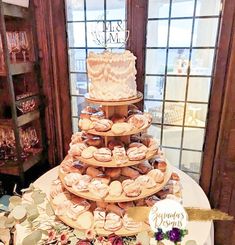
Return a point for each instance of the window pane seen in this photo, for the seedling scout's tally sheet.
(75, 10)
(193, 138)
(155, 131)
(173, 113)
(155, 108)
(202, 62)
(154, 86)
(78, 103)
(172, 136)
(187, 6)
(78, 84)
(155, 61)
(199, 89)
(157, 33)
(191, 161)
(95, 10)
(205, 32)
(76, 34)
(115, 9)
(173, 156)
(196, 114)
(208, 7)
(174, 84)
(75, 124)
(180, 33)
(196, 177)
(158, 8)
(177, 61)
(77, 60)
(95, 34)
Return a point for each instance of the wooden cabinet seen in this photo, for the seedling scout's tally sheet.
(21, 98)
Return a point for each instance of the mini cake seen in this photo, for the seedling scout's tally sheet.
(112, 75)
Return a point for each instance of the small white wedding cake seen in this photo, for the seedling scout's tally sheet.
(112, 75)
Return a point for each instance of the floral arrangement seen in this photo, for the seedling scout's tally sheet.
(32, 215)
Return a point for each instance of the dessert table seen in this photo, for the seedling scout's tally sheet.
(193, 196)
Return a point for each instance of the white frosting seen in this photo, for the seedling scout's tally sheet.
(112, 75)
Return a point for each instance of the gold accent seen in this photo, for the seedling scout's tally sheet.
(194, 214)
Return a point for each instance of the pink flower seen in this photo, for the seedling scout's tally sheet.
(64, 238)
(83, 242)
(115, 240)
(90, 234)
(51, 235)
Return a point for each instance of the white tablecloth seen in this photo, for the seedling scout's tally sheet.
(193, 196)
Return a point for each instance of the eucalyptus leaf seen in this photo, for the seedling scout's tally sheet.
(10, 222)
(32, 213)
(49, 210)
(5, 236)
(19, 212)
(33, 238)
(38, 197)
(15, 200)
(79, 234)
(2, 221)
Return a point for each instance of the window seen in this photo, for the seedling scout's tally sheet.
(84, 18)
(180, 53)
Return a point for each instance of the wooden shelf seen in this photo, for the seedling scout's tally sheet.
(122, 198)
(21, 120)
(12, 168)
(19, 68)
(14, 11)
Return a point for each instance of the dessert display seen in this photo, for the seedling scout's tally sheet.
(112, 164)
(112, 75)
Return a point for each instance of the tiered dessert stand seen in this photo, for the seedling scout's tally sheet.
(111, 108)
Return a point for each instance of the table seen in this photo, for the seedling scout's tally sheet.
(193, 196)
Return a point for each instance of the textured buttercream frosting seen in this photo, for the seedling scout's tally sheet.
(112, 75)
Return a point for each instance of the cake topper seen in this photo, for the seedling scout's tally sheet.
(110, 33)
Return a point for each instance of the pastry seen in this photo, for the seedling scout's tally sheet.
(82, 184)
(97, 188)
(85, 220)
(115, 188)
(103, 155)
(93, 140)
(66, 165)
(113, 173)
(77, 200)
(134, 112)
(146, 181)
(161, 165)
(140, 202)
(88, 152)
(173, 186)
(72, 178)
(139, 146)
(61, 198)
(114, 143)
(136, 154)
(85, 115)
(119, 155)
(113, 222)
(56, 188)
(175, 176)
(101, 204)
(137, 120)
(126, 205)
(131, 188)
(135, 138)
(97, 116)
(76, 149)
(103, 125)
(104, 179)
(99, 217)
(90, 109)
(93, 172)
(143, 167)
(130, 224)
(157, 175)
(121, 127)
(129, 172)
(75, 210)
(62, 207)
(116, 118)
(78, 167)
(148, 116)
(115, 209)
(85, 124)
(76, 138)
(150, 201)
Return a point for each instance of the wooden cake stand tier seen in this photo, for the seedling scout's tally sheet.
(127, 101)
(112, 164)
(103, 232)
(123, 198)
